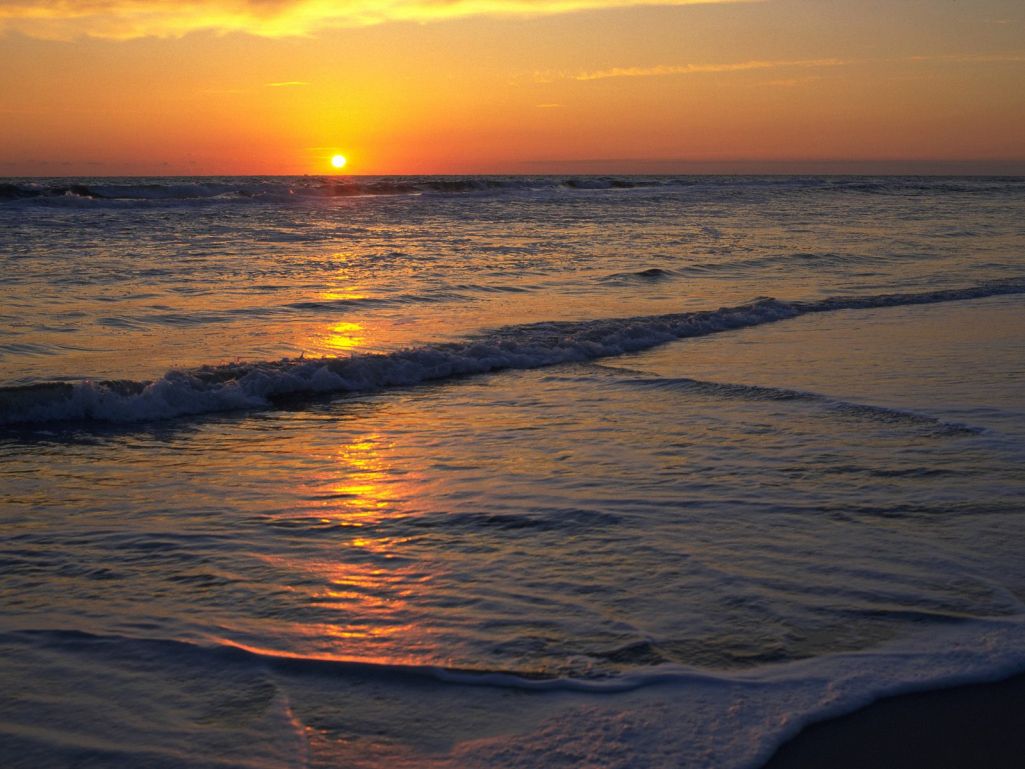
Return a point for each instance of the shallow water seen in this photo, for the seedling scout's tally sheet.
(574, 491)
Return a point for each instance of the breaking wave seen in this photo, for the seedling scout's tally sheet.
(257, 385)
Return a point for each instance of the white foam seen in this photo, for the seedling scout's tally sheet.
(255, 385)
(737, 722)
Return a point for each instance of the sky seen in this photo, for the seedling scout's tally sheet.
(190, 87)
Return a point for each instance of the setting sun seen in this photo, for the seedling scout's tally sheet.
(338, 161)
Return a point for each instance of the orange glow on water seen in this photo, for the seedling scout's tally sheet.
(345, 336)
(366, 489)
(366, 583)
(369, 659)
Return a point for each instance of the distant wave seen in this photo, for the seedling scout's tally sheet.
(321, 306)
(462, 292)
(277, 189)
(143, 190)
(257, 385)
(800, 259)
(651, 274)
(905, 185)
(108, 192)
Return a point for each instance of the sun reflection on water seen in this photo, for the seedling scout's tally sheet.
(364, 489)
(345, 336)
(357, 582)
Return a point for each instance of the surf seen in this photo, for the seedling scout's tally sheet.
(257, 385)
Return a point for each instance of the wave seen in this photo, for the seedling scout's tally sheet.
(905, 185)
(168, 316)
(861, 411)
(184, 190)
(780, 262)
(652, 274)
(222, 651)
(219, 652)
(153, 191)
(569, 520)
(276, 189)
(257, 385)
(679, 707)
(313, 305)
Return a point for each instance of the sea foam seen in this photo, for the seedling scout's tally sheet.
(256, 385)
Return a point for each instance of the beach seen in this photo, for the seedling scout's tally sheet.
(977, 725)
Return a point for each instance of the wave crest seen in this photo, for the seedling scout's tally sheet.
(256, 385)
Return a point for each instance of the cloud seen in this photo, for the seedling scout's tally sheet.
(793, 82)
(662, 70)
(124, 19)
(973, 58)
(287, 84)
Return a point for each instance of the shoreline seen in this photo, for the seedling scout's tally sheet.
(961, 727)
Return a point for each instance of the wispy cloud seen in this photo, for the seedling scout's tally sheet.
(287, 84)
(1012, 57)
(665, 70)
(123, 19)
(793, 82)
(662, 70)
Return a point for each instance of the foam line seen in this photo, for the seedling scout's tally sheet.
(256, 385)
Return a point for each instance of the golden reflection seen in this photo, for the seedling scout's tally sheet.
(345, 286)
(365, 489)
(345, 336)
(342, 294)
(362, 591)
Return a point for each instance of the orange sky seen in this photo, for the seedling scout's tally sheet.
(110, 87)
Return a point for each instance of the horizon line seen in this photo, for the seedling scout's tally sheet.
(580, 167)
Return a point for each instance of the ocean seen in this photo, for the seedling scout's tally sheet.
(500, 472)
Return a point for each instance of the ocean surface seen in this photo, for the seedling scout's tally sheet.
(500, 472)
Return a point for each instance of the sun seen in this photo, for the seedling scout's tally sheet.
(339, 161)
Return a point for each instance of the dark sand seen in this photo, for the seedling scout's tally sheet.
(981, 726)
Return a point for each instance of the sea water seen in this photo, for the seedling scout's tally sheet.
(500, 471)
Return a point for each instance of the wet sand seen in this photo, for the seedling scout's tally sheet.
(980, 726)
